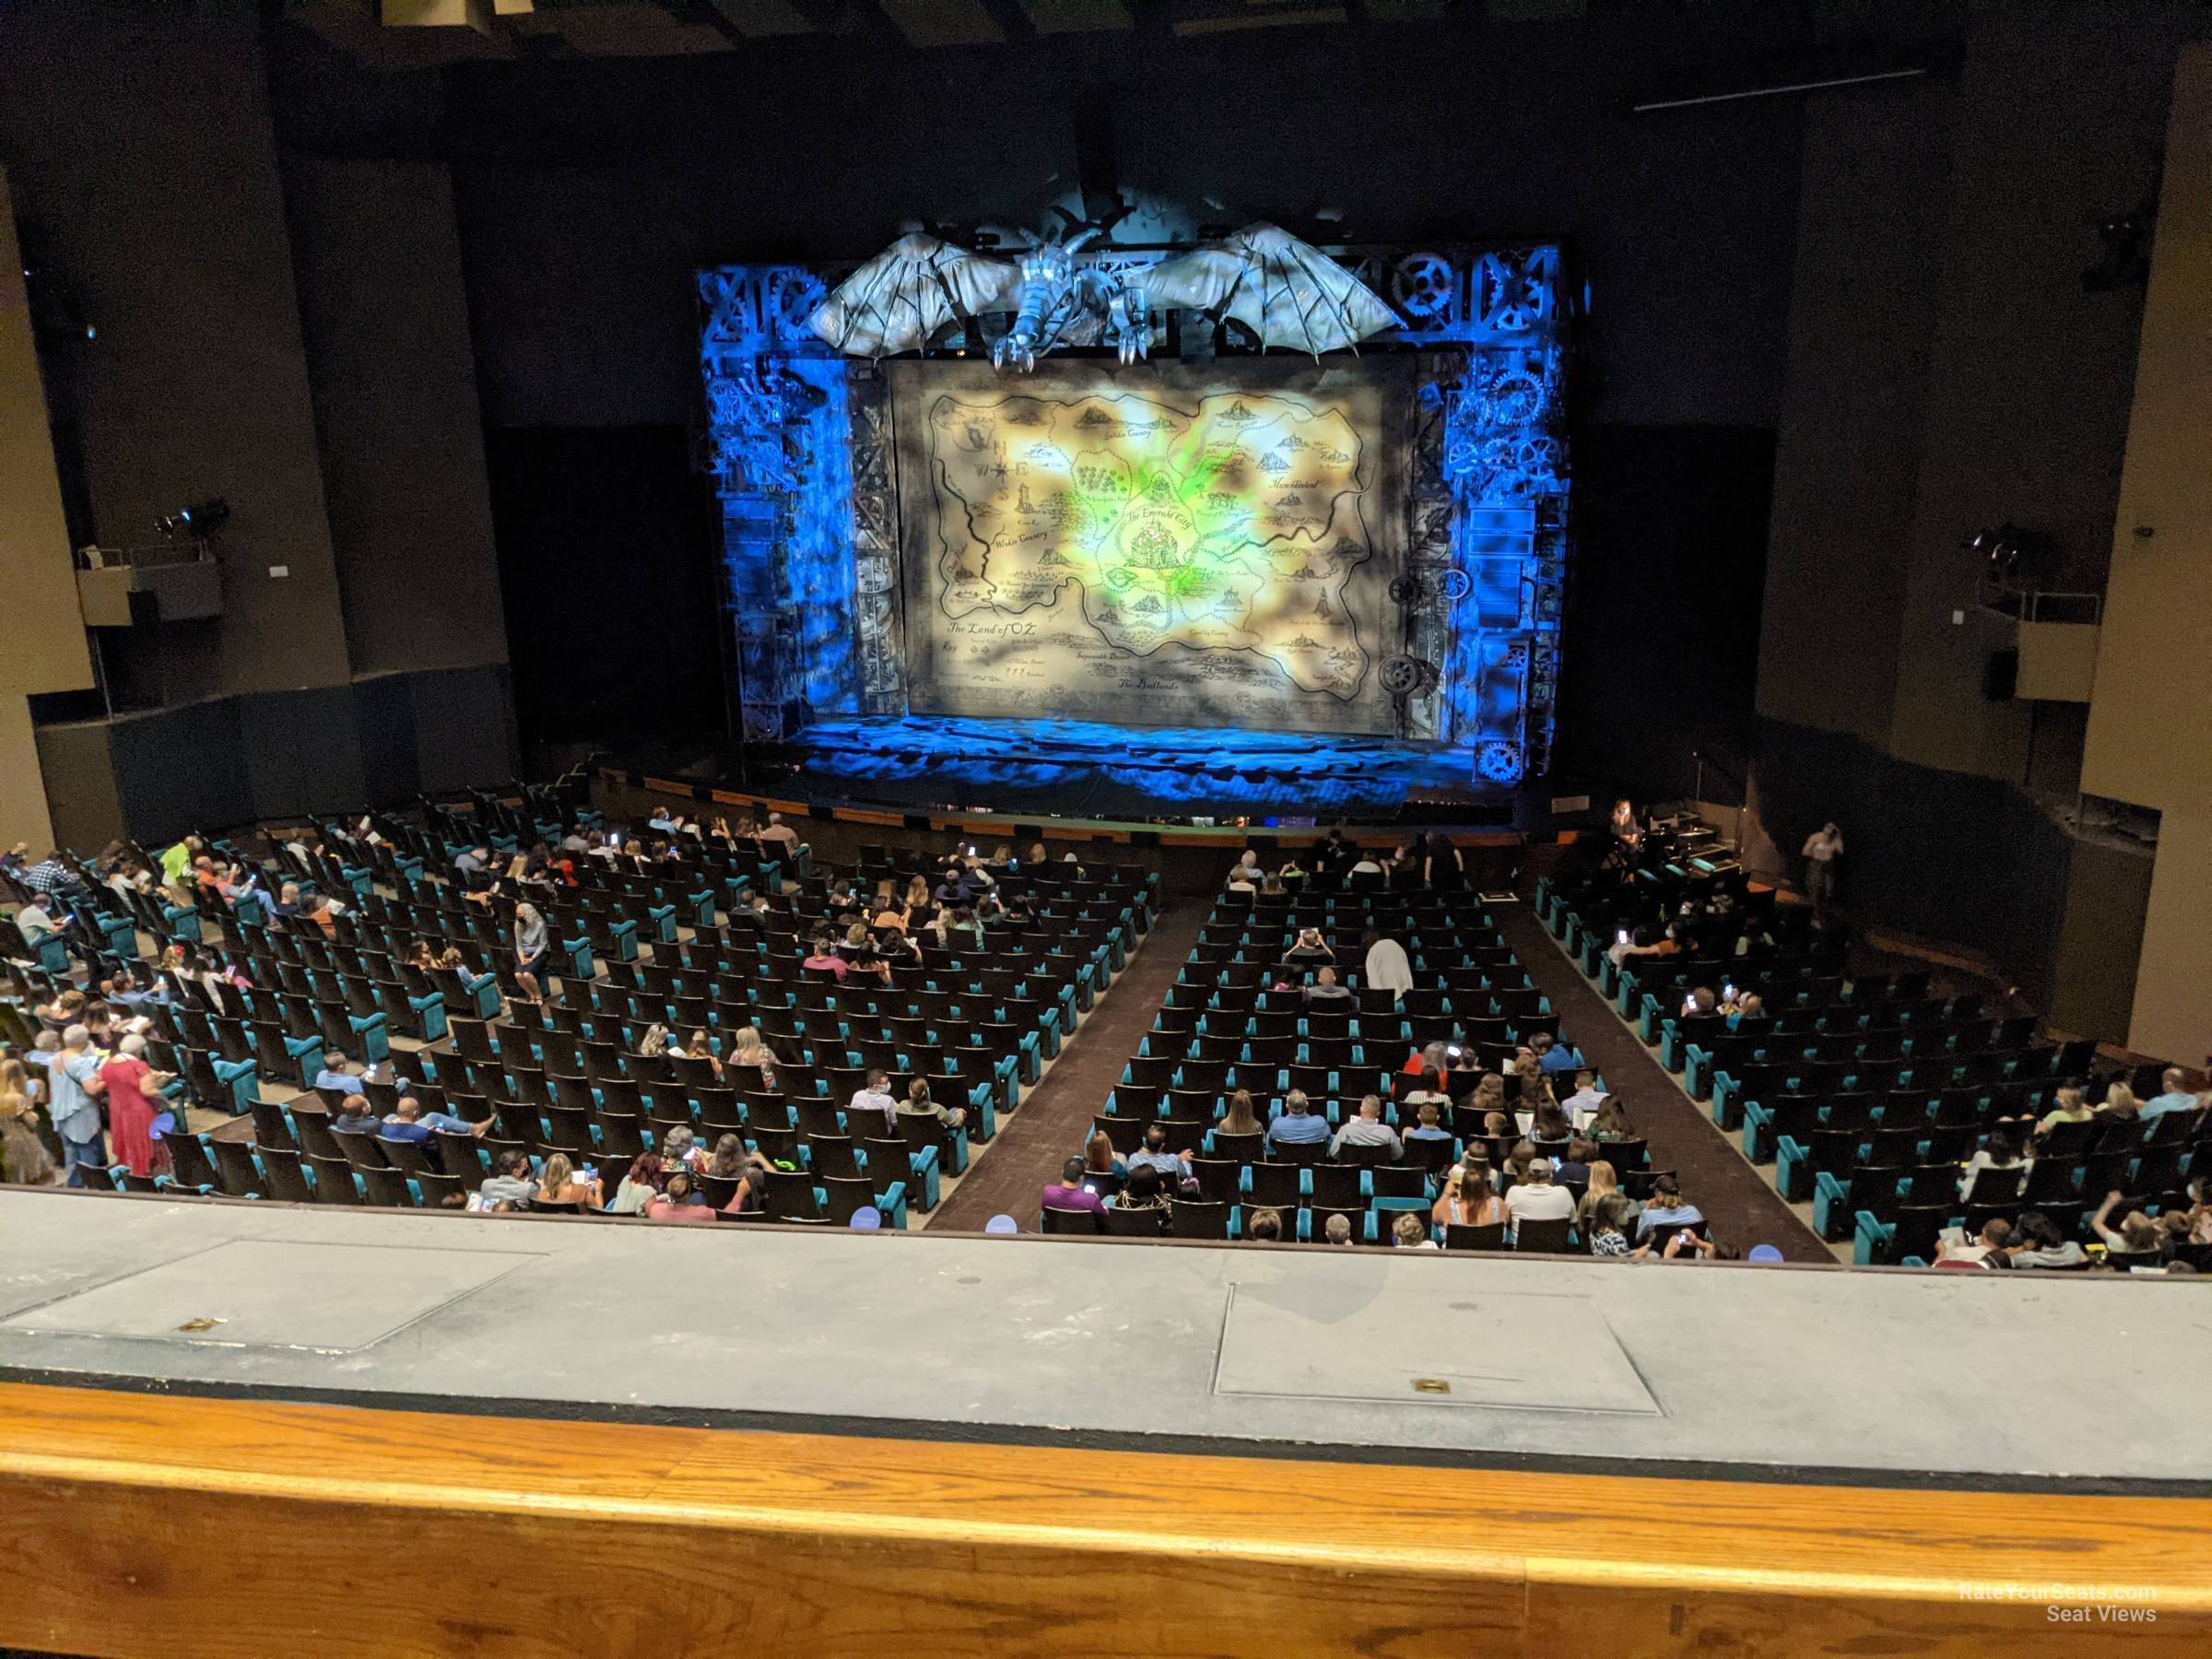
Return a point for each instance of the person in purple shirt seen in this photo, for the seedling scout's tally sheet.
(1069, 1195)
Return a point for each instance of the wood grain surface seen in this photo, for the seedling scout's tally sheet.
(135, 1523)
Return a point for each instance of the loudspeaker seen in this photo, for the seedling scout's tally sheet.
(2000, 676)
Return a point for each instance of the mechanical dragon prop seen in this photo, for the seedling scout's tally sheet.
(1287, 292)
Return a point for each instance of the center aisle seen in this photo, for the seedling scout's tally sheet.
(1009, 1178)
(1744, 1209)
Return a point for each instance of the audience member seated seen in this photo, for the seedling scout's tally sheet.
(1298, 1124)
(1537, 1199)
(733, 1160)
(1953, 1249)
(680, 1202)
(2175, 1098)
(1367, 1130)
(1603, 1226)
(1240, 1118)
(1408, 1233)
(1687, 1245)
(2037, 1243)
(1612, 1121)
(1326, 988)
(1337, 1230)
(639, 1185)
(1173, 1169)
(1100, 1159)
(2137, 1242)
(355, 1117)
(1487, 1095)
(1427, 1125)
(1553, 1058)
(1602, 1179)
(2069, 1108)
(1467, 1199)
(1550, 1121)
(514, 1184)
(2000, 1153)
(1583, 1104)
(874, 1096)
(1667, 1208)
(1265, 1227)
(563, 1182)
(1144, 1191)
(1071, 1196)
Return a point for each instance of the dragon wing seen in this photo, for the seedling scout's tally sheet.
(897, 300)
(1286, 291)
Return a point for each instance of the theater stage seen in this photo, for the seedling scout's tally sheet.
(1090, 769)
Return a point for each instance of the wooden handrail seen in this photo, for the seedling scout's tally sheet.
(134, 1523)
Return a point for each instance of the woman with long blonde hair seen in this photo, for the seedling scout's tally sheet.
(561, 1185)
(1603, 1180)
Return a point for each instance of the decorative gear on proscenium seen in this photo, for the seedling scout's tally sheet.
(1403, 676)
(1405, 592)
(798, 295)
(1499, 761)
(1454, 583)
(1423, 284)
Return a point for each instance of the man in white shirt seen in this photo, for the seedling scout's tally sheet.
(1388, 968)
(1537, 1199)
(876, 1097)
(1822, 848)
(1367, 1130)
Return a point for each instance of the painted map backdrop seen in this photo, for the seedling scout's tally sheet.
(1151, 546)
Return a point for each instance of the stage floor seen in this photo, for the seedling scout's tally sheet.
(1085, 768)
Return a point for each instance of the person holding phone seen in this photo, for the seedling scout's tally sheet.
(1072, 1195)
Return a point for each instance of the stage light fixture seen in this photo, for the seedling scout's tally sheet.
(2008, 554)
(2125, 261)
(198, 522)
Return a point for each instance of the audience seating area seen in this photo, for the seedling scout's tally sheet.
(1239, 1018)
(699, 934)
(1863, 1093)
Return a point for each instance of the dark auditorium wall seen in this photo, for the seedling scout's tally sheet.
(286, 332)
(1863, 299)
(608, 549)
(386, 325)
(139, 146)
(1661, 619)
(589, 193)
(1947, 372)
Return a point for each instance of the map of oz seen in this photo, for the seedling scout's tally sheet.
(1120, 553)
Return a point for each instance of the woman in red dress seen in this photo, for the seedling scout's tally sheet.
(131, 1112)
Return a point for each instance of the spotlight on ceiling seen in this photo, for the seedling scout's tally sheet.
(198, 522)
(2006, 553)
